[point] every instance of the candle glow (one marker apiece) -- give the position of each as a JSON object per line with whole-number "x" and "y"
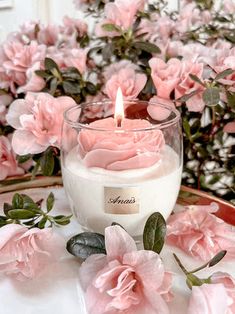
{"x": 119, "y": 108}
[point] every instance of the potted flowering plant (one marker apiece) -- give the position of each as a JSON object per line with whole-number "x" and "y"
{"x": 184, "y": 59}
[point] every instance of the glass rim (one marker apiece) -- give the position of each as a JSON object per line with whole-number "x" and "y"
{"x": 159, "y": 126}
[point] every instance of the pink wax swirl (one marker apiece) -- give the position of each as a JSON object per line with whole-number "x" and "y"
{"x": 120, "y": 150}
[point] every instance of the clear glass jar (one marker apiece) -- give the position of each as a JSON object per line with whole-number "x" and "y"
{"x": 121, "y": 173}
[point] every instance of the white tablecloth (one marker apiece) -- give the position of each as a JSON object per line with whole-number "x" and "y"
{"x": 58, "y": 290}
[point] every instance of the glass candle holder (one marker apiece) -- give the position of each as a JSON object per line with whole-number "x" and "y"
{"x": 121, "y": 172}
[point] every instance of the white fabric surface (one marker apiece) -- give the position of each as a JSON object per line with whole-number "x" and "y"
{"x": 58, "y": 290}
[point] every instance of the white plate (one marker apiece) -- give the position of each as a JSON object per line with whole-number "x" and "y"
{"x": 58, "y": 290}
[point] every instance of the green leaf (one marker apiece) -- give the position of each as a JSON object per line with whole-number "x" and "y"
{"x": 50, "y": 65}
{"x": 196, "y": 79}
{"x": 146, "y": 46}
{"x": 211, "y": 96}
{"x": 111, "y": 28}
{"x": 29, "y": 203}
{"x": 85, "y": 244}
{"x": 186, "y": 127}
{"x": 223, "y": 74}
{"x": 47, "y": 163}
{"x": 62, "y": 220}
{"x": 91, "y": 88}
{"x": 24, "y": 158}
{"x": 53, "y": 85}
{"x": 42, "y": 222}
{"x": 71, "y": 73}
{"x": 50, "y": 202}
{"x": 42, "y": 74}
{"x": 231, "y": 99}
{"x": 17, "y": 201}
{"x": 6, "y": 208}
{"x": 154, "y": 233}
{"x": 217, "y": 258}
{"x": 187, "y": 96}
{"x": 21, "y": 214}
{"x": 71, "y": 87}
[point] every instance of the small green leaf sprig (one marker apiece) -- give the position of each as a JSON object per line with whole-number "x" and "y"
{"x": 193, "y": 280}
{"x": 67, "y": 81}
{"x": 85, "y": 244}
{"x": 24, "y": 211}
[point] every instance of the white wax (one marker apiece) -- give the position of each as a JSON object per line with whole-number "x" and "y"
{"x": 158, "y": 185}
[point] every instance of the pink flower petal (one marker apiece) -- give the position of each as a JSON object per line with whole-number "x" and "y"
{"x": 24, "y": 142}
{"x": 208, "y": 299}
{"x": 118, "y": 242}
{"x": 17, "y": 108}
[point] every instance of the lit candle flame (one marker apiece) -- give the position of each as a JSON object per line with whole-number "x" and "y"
{"x": 119, "y": 108}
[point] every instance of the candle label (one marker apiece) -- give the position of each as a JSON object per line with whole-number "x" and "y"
{"x": 121, "y": 201}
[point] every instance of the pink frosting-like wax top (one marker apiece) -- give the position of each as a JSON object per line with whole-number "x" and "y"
{"x": 120, "y": 150}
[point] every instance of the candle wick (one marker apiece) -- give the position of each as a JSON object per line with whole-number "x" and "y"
{"x": 119, "y": 122}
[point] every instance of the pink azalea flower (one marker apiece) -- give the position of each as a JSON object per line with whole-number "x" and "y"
{"x": 76, "y": 58}
{"x": 229, "y": 284}
{"x": 25, "y": 253}
{"x": 114, "y": 68}
{"x": 125, "y": 280}
{"x": 229, "y": 127}
{"x": 209, "y": 299}
{"x": 8, "y": 163}
{"x": 38, "y": 120}
{"x": 130, "y": 82}
{"x": 158, "y": 112}
{"x": 187, "y": 85}
{"x": 199, "y": 233}
{"x": 19, "y": 58}
{"x": 72, "y": 25}
{"x": 34, "y": 82}
{"x": 121, "y": 13}
{"x": 48, "y": 35}
{"x": 191, "y": 18}
{"x": 27, "y": 29}
{"x": 165, "y": 75}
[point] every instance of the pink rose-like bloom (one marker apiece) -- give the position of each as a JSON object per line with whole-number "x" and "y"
{"x": 34, "y": 82}
{"x": 19, "y": 58}
{"x": 8, "y": 163}
{"x": 165, "y": 75}
{"x": 229, "y": 127}
{"x": 130, "y": 82}
{"x": 121, "y": 13}
{"x": 199, "y": 233}
{"x": 28, "y": 28}
{"x": 187, "y": 85}
{"x": 25, "y": 253}
{"x": 115, "y": 151}
{"x": 229, "y": 284}
{"x": 38, "y": 121}
{"x": 74, "y": 25}
{"x": 209, "y": 299}
{"x": 158, "y": 112}
{"x": 114, "y": 68}
{"x": 76, "y": 58}
{"x": 125, "y": 280}
{"x": 48, "y": 35}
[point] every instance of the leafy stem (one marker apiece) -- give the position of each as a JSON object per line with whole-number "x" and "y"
{"x": 25, "y": 211}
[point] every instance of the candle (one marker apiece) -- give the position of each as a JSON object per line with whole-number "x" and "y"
{"x": 121, "y": 170}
